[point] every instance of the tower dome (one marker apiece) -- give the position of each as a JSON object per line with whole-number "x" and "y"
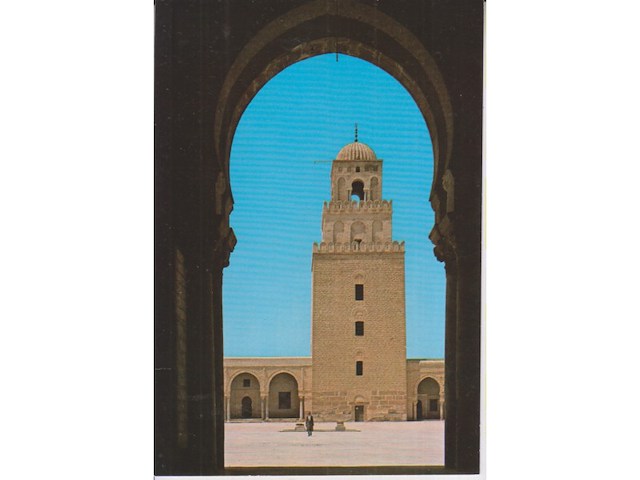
{"x": 356, "y": 151}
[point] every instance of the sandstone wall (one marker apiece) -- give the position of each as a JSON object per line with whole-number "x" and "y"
{"x": 381, "y": 388}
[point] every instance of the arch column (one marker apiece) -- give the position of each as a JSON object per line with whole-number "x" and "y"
{"x": 227, "y": 401}
{"x": 467, "y": 358}
{"x": 261, "y": 407}
{"x": 301, "y": 401}
{"x": 442, "y": 238}
{"x": 458, "y": 246}
{"x": 264, "y": 400}
{"x": 441, "y": 407}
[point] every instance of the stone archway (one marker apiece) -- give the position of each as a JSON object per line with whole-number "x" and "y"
{"x": 284, "y": 401}
{"x": 319, "y": 27}
{"x": 428, "y": 393}
{"x": 244, "y": 401}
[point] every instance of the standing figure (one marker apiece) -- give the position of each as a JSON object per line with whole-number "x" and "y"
{"x": 308, "y": 423}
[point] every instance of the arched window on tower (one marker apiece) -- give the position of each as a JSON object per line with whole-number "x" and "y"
{"x": 338, "y": 228}
{"x": 358, "y": 232}
{"x": 374, "y": 193}
{"x": 377, "y": 233}
{"x": 357, "y": 191}
{"x": 341, "y": 194}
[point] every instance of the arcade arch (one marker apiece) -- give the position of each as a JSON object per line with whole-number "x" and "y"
{"x": 429, "y": 403}
{"x": 284, "y": 401}
{"x": 245, "y": 397}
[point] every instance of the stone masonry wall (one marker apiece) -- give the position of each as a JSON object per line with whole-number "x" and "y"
{"x": 381, "y": 389}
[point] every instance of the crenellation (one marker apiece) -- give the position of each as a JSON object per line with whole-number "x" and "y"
{"x": 355, "y": 247}
{"x": 364, "y": 206}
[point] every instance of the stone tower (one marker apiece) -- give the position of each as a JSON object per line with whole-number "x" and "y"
{"x": 358, "y": 298}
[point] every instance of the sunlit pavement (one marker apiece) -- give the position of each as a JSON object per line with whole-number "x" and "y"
{"x": 375, "y": 443}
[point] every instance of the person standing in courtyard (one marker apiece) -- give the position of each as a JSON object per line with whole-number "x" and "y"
{"x": 308, "y": 423}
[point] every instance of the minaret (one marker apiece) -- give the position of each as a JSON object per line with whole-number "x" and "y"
{"x": 358, "y": 298}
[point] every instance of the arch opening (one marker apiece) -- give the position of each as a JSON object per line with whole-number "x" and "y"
{"x": 428, "y": 393}
{"x": 258, "y": 140}
{"x": 244, "y": 397}
{"x": 357, "y": 191}
{"x": 284, "y": 401}
{"x": 433, "y": 117}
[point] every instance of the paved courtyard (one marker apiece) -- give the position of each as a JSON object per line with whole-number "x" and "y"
{"x": 373, "y": 444}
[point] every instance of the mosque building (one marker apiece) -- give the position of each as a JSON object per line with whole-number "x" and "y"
{"x": 358, "y": 369}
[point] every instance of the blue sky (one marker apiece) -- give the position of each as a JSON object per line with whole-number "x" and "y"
{"x": 280, "y": 178}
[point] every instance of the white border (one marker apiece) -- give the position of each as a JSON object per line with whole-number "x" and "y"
{"x": 562, "y": 239}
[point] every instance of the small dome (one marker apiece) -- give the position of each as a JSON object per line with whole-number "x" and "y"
{"x": 356, "y": 151}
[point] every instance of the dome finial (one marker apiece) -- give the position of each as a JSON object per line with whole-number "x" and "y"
{"x": 356, "y": 132}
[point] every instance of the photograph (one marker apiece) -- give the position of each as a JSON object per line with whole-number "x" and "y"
{"x": 318, "y": 237}
{"x": 311, "y": 239}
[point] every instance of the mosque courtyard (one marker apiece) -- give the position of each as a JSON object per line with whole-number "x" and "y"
{"x": 268, "y": 444}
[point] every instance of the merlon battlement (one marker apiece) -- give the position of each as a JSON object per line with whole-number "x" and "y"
{"x": 358, "y": 247}
{"x": 353, "y": 206}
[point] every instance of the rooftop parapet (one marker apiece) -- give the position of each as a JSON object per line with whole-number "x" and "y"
{"x": 361, "y": 247}
{"x": 267, "y": 361}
